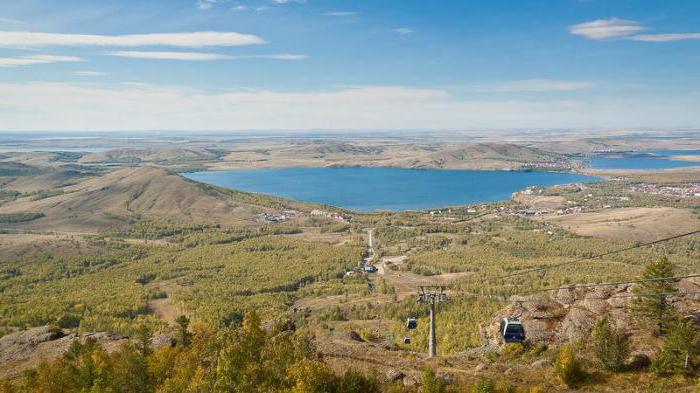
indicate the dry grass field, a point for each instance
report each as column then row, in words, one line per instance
column 639, row 223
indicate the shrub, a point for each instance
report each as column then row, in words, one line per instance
column 514, row 350
column 567, row 367
column 431, row 383
column 356, row 382
column 610, row 345
column 484, row 385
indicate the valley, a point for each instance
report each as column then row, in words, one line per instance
column 118, row 242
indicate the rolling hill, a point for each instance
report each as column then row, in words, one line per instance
column 131, row 194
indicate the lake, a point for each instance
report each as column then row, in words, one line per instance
column 369, row 189
column 645, row 162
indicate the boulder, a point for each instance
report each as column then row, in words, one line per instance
column 163, row 340
column 540, row 363
column 577, row 324
column 409, row 381
column 394, row 375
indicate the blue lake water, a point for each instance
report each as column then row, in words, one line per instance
column 369, row 189
column 642, row 162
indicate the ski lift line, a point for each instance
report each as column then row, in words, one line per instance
column 542, row 268
column 607, row 284
column 583, row 285
column 505, row 297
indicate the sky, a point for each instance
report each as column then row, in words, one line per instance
column 219, row 65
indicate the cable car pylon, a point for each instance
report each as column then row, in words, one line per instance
column 432, row 295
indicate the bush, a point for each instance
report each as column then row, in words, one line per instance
column 356, row 382
column 431, row 383
column 610, row 345
column 484, row 385
column 567, row 367
column 514, row 350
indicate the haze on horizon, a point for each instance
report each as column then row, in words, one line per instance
column 79, row 65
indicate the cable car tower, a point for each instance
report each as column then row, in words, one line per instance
column 432, row 295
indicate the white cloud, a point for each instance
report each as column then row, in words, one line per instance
column 403, row 30
column 531, row 86
column 200, row 56
column 36, row 59
column 90, row 73
column 43, row 106
column 189, row 40
column 205, row 4
column 288, row 1
column 162, row 55
column 666, row 37
column 602, row 29
column 341, row 13
column 239, row 8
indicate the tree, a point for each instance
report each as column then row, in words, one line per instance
column 183, row 334
column 651, row 306
column 143, row 339
column 681, row 346
column 312, row 376
column 610, row 345
column 431, row 382
column 567, row 367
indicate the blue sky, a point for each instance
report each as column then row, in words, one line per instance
column 326, row 64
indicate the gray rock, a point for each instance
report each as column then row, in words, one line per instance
column 394, row 375
column 577, row 324
column 163, row 340
column 540, row 363
column 449, row 378
column 409, row 381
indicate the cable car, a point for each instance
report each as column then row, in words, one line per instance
column 406, row 340
column 512, row 330
column 411, row 323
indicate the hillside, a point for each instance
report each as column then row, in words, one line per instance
column 130, row 194
column 163, row 157
column 488, row 156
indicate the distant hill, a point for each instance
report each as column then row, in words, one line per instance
column 132, row 194
column 153, row 156
column 484, row 156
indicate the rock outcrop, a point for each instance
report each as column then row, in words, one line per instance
column 570, row 314
column 24, row 350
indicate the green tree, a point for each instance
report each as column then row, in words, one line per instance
column 682, row 345
column 183, row 334
column 610, row 345
column 651, row 306
column 143, row 338
column 431, row 382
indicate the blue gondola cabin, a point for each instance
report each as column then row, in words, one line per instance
column 512, row 330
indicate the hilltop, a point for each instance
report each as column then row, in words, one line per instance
column 130, row 194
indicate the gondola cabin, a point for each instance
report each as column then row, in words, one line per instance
column 406, row 340
column 512, row 330
column 411, row 323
